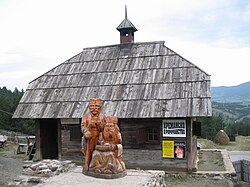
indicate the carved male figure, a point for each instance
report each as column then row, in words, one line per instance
column 92, row 125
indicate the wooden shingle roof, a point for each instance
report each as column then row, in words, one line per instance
column 126, row 24
column 139, row 80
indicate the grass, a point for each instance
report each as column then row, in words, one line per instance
column 194, row 181
column 210, row 161
column 9, row 150
column 242, row 143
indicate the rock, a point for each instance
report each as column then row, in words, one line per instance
column 34, row 180
column 217, row 178
column 204, row 176
column 59, row 170
column 66, row 162
column 42, row 167
column 45, row 173
column 13, row 183
column 53, row 167
column 47, row 161
column 28, row 171
column 26, row 166
column 35, row 166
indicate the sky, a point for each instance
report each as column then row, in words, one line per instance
column 37, row 35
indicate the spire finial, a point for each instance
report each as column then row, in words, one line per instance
column 126, row 12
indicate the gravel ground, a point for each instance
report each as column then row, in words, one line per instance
column 10, row 164
column 134, row 178
column 10, row 169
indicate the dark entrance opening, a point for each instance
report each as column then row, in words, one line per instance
column 48, row 138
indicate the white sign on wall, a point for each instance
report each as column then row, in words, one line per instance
column 174, row 128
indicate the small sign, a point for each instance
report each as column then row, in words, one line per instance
column 179, row 149
column 167, row 149
column 174, row 128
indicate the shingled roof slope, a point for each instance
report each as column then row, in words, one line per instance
column 139, row 80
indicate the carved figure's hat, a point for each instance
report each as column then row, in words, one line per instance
column 95, row 100
column 112, row 119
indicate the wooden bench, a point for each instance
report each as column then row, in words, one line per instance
column 22, row 144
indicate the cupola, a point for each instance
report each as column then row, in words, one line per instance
column 126, row 29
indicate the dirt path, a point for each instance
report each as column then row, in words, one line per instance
column 10, row 164
column 10, row 169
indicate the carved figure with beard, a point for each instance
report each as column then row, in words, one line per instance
column 107, row 157
column 91, row 127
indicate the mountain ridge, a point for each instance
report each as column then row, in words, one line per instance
column 231, row 94
column 232, row 102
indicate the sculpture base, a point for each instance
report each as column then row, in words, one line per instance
column 104, row 176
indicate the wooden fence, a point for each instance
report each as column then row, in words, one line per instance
column 242, row 168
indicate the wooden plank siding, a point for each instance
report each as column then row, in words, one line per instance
column 71, row 149
column 143, row 154
column 142, row 80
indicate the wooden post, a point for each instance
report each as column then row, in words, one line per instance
column 59, row 139
column 38, row 154
column 242, row 170
column 189, row 145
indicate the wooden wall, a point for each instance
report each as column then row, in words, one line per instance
column 131, row 128
column 137, row 153
column 71, row 150
column 152, row 159
column 146, row 155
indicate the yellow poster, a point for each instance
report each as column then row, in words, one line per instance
column 167, row 149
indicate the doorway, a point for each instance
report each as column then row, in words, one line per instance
column 49, row 138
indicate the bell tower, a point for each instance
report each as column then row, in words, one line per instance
column 126, row 29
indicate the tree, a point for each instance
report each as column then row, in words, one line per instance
column 210, row 126
column 239, row 128
column 8, row 103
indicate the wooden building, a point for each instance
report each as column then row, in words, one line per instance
column 156, row 94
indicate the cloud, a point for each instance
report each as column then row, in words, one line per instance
column 219, row 24
column 38, row 35
column 226, row 66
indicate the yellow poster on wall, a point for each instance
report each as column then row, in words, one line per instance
column 167, row 149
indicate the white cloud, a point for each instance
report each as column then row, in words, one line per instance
column 227, row 67
column 38, row 35
column 246, row 13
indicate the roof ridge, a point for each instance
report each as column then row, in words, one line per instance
column 113, row 45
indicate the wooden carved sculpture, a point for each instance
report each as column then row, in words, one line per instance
column 103, row 155
column 107, row 157
column 92, row 125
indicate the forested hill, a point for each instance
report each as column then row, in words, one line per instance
column 232, row 94
column 232, row 103
column 8, row 103
column 232, row 112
